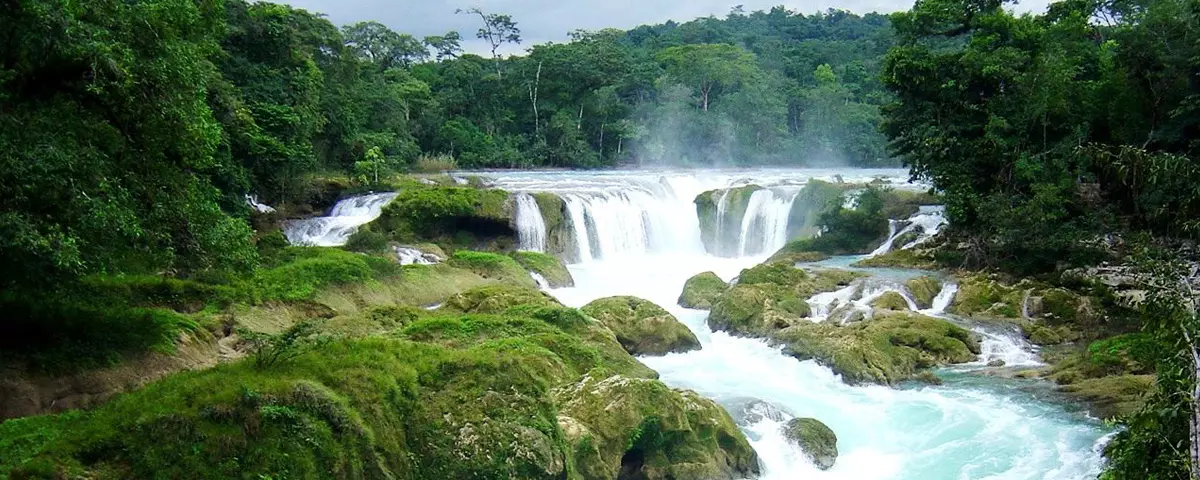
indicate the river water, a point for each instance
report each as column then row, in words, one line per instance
column 643, row 239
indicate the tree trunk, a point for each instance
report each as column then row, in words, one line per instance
column 579, row 125
column 619, row 140
column 601, row 141
column 704, row 91
column 533, row 95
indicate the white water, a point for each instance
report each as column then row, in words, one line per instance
column 412, row 256
column 928, row 222
column 531, row 227
column 971, row 428
column 765, row 224
column 345, row 218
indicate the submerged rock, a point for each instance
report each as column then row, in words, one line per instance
column 620, row 427
column 701, row 290
column 642, row 327
column 815, row 439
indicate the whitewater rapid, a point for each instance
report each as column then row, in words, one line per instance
column 972, row 427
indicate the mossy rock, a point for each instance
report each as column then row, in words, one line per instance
column 815, row 439
column 701, row 290
column 980, row 296
column 817, row 197
column 1112, row 396
column 776, row 273
column 431, row 249
column 642, row 327
column 498, row 298
column 460, row 217
column 923, row 290
column 1041, row 334
column 890, row 348
column 492, row 266
column 794, row 253
column 771, row 297
column 912, row 258
column 620, row 427
column 552, row 269
column 560, row 237
column 890, row 301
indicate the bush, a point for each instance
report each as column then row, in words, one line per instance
column 313, row 268
column 366, row 240
column 435, row 164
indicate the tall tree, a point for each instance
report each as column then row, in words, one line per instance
column 498, row 29
column 709, row 68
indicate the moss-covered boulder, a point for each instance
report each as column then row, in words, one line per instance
column 980, row 296
column 720, row 213
column 796, row 252
column 1111, row 396
column 771, row 297
column 889, row 348
column 462, row 217
column 890, row 301
column 642, row 327
column 923, row 290
column 815, row 198
column 815, row 439
column 560, row 237
column 498, row 298
column 701, row 290
column 492, row 266
column 912, row 258
column 621, row 427
column 550, row 268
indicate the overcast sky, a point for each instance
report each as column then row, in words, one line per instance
column 542, row 21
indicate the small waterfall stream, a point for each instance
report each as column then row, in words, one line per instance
column 531, row 227
column 343, row 220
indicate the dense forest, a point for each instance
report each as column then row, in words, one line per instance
column 1069, row 139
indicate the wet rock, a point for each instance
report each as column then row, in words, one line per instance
column 996, row 363
column 755, row 411
column 702, row 290
column 815, row 439
column 550, row 268
column 923, row 290
column 890, row 301
column 642, row 327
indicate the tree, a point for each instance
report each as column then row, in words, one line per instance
column 497, row 30
column 375, row 43
column 446, row 46
column 709, row 68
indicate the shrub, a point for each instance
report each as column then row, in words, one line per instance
column 366, row 240
column 435, row 163
column 300, row 278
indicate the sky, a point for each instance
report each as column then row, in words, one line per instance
column 543, row 21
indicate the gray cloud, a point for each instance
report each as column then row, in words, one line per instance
column 542, row 21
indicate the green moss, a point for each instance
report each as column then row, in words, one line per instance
column 676, row 433
column 890, row 348
column 923, row 290
column 552, row 269
column 890, row 301
column 1112, row 396
column 701, row 290
column 311, row 269
column 794, row 252
column 770, row 297
column 560, row 236
column 492, row 266
column 498, row 298
column 981, row 296
column 642, row 327
column 815, row 439
column 912, row 259
column 458, row 216
column 902, row 204
column 775, row 273
column 817, row 197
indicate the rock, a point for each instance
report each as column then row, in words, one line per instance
column 913, row 258
column 890, row 301
column 720, row 234
column 498, row 298
column 980, row 296
column 701, row 290
column 492, row 266
column 771, row 297
column 923, row 290
column 996, row 363
column 756, row 411
column 815, row 439
column 552, row 269
column 642, row 327
column 620, row 427
column 1111, row 396
column 890, row 348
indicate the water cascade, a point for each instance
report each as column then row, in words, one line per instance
column 531, row 227
column 765, row 224
column 928, row 221
column 343, row 220
column 641, row 237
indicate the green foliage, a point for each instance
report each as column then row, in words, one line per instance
column 268, row 350
column 436, row 211
column 312, row 269
column 552, row 269
column 492, row 265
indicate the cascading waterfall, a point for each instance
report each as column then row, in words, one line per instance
column 996, row 342
column 646, row 242
column 343, row 220
column 928, row 221
column 531, row 227
column 765, row 224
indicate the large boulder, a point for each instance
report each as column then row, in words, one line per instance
column 815, row 439
column 923, row 290
column 720, row 213
column 497, row 298
column 771, row 297
column 550, row 268
column 701, row 290
column 642, row 327
column 891, row 347
column 492, row 266
column 890, row 301
column 627, row 428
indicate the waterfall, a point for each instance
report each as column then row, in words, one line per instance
column 765, row 224
column 997, row 343
column 531, row 227
column 928, row 221
column 345, row 218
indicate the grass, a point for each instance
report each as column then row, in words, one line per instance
column 434, row 164
column 492, row 266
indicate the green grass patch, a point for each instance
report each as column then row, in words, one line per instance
column 491, row 265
